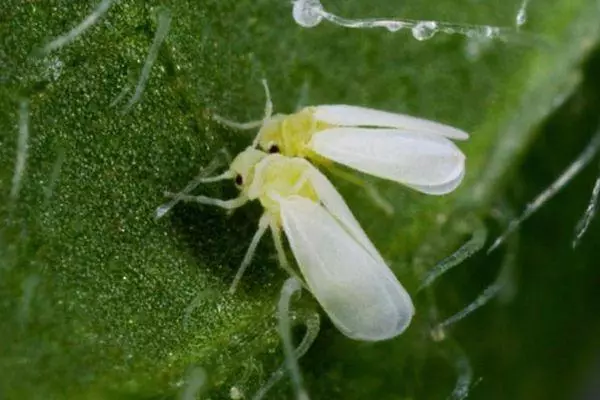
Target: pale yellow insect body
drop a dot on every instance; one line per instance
(291, 134)
(268, 178)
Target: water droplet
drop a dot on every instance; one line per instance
(491, 31)
(394, 26)
(307, 13)
(424, 30)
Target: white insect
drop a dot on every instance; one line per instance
(340, 265)
(412, 151)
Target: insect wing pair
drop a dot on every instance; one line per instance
(412, 151)
(341, 267)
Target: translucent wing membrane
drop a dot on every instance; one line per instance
(344, 115)
(337, 207)
(360, 294)
(428, 163)
(440, 189)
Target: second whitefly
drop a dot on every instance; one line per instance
(415, 152)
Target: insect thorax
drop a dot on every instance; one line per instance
(290, 133)
(278, 177)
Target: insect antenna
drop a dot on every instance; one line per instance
(194, 183)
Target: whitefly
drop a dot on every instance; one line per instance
(412, 151)
(338, 263)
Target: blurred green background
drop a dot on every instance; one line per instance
(98, 300)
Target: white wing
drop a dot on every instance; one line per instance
(360, 294)
(429, 163)
(337, 207)
(440, 189)
(344, 115)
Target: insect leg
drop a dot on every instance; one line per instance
(226, 204)
(263, 224)
(371, 191)
(283, 261)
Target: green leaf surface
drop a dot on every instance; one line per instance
(99, 300)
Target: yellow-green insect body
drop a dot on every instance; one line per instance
(291, 134)
(268, 178)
